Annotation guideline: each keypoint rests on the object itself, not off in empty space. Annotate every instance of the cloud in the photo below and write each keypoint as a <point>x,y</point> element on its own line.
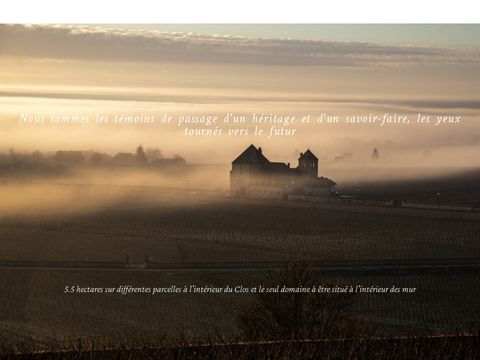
<point>224,96</point>
<point>100,43</point>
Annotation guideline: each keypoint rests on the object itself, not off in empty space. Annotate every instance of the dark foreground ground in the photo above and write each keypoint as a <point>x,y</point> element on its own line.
<point>146,229</point>
<point>453,347</point>
<point>450,186</point>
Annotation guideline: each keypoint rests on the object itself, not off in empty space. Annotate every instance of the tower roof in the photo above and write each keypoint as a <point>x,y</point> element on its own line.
<point>308,155</point>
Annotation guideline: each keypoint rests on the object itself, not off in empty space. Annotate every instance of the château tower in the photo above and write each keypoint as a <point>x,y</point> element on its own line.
<point>308,164</point>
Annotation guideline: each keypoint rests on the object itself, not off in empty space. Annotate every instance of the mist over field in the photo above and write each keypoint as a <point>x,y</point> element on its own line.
<point>86,189</point>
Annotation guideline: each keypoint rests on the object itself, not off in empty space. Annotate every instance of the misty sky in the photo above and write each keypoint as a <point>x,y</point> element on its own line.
<point>456,35</point>
<point>280,69</point>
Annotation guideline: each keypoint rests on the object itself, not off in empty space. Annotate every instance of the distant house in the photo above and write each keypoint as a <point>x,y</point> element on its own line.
<point>253,175</point>
<point>98,158</point>
<point>69,158</point>
<point>173,162</point>
<point>126,159</point>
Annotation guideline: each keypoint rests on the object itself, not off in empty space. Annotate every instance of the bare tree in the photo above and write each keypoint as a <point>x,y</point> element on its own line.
<point>295,315</point>
<point>153,154</point>
<point>140,154</point>
<point>37,157</point>
<point>96,158</point>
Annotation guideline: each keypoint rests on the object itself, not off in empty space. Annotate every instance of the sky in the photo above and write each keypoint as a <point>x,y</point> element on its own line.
<point>212,70</point>
<point>461,35</point>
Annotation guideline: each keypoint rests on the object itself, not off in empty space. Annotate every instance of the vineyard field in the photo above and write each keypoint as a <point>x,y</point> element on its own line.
<point>236,231</point>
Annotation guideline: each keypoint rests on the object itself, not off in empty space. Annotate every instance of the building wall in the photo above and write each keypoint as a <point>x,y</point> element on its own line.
<point>266,192</point>
<point>240,179</point>
<point>248,181</point>
<point>308,167</point>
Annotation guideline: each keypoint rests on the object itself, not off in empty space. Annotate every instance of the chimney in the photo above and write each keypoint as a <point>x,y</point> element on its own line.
<point>288,164</point>
<point>301,154</point>
<point>260,150</point>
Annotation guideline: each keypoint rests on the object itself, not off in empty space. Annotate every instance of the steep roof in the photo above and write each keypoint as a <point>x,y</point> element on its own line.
<point>124,156</point>
<point>308,155</point>
<point>326,181</point>
<point>318,182</point>
<point>126,159</point>
<point>251,156</point>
